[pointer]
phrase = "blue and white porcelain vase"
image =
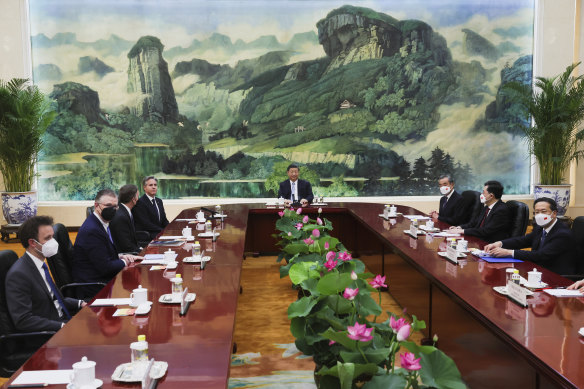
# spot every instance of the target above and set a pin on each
(19, 206)
(559, 193)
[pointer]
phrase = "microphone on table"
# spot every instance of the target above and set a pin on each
(209, 210)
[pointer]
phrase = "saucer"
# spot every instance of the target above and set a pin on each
(581, 332)
(207, 234)
(540, 284)
(134, 306)
(97, 383)
(170, 299)
(205, 258)
(458, 254)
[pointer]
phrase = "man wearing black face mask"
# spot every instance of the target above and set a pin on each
(95, 258)
(33, 300)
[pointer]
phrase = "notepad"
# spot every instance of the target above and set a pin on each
(564, 293)
(52, 377)
(111, 302)
(500, 260)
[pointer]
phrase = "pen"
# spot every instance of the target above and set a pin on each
(28, 385)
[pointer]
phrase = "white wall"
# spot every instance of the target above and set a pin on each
(557, 44)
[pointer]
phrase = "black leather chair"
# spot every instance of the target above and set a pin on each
(472, 205)
(89, 211)
(16, 347)
(62, 263)
(519, 217)
(578, 232)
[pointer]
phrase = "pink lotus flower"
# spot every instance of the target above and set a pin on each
(289, 233)
(319, 221)
(320, 210)
(403, 333)
(397, 324)
(409, 362)
(326, 245)
(316, 233)
(299, 226)
(360, 332)
(331, 342)
(308, 241)
(292, 208)
(354, 276)
(305, 219)
(330, 264)
(345, 256)
(299, 211)
(350, 294)
(281, 213)
(330, 255)
(378, 282)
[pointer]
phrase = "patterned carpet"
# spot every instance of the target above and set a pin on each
(266, 356)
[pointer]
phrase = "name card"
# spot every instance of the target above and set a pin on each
(517, 293)
(452, 254)
(413, 230)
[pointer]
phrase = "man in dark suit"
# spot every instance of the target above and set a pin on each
(295, 190)
(122, 225)
(95, 258)
(149, 212)
(34, 301)
(451, 203)
(551, 241)
(494, 222)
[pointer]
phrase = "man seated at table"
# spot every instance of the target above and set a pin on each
(451, 203)
(551, 241)
(95, 258)
(122, 225)
(34, 302)
(149, 214)
(493, 223)
(295, 190)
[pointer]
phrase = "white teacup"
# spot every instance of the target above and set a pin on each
(83, 373)
(462, 245)
(533, 277)
(392, 210)
(200, 216)
(169, 255)
(138, 296)
(187, 232)
(430, 224)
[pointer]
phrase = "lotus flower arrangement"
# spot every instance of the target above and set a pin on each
(338, 322)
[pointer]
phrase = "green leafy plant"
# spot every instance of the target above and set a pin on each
(24, 117)
(556, 106)
(338, 322)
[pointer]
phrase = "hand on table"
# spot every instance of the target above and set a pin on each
(304, 202)
(434, 215)
(500, 252)
(578, 285)
(456, 230)
(492, 246)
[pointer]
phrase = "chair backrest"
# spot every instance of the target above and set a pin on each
(7, 259)
(472, 204)
(578, 232)
(519, 217)
(61, 263)
(89, 211)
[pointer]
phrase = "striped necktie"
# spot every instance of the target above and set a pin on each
(55, 291)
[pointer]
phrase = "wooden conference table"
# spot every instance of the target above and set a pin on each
(494, 342)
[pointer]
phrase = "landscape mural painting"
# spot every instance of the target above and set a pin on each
(216, 98)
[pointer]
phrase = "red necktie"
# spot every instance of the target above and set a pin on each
(485, 217)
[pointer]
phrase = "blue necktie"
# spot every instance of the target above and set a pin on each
(109, 233)
(543, 235)
(56, 291)
(293, 189)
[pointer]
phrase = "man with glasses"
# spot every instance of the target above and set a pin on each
(149, 214)
(551, 241)
(95, 258)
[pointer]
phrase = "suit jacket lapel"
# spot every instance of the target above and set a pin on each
(537, 238)
(128, 214)
(36, 275)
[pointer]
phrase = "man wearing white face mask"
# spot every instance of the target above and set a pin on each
(451, 203)
(552, 244)
(34, 302)
(494, 222)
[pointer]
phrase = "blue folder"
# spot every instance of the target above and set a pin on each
(500, 260)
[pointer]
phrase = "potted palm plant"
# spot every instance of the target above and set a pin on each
(556, 109)
(24, 117)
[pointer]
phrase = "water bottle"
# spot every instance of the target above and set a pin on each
(139, 349)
